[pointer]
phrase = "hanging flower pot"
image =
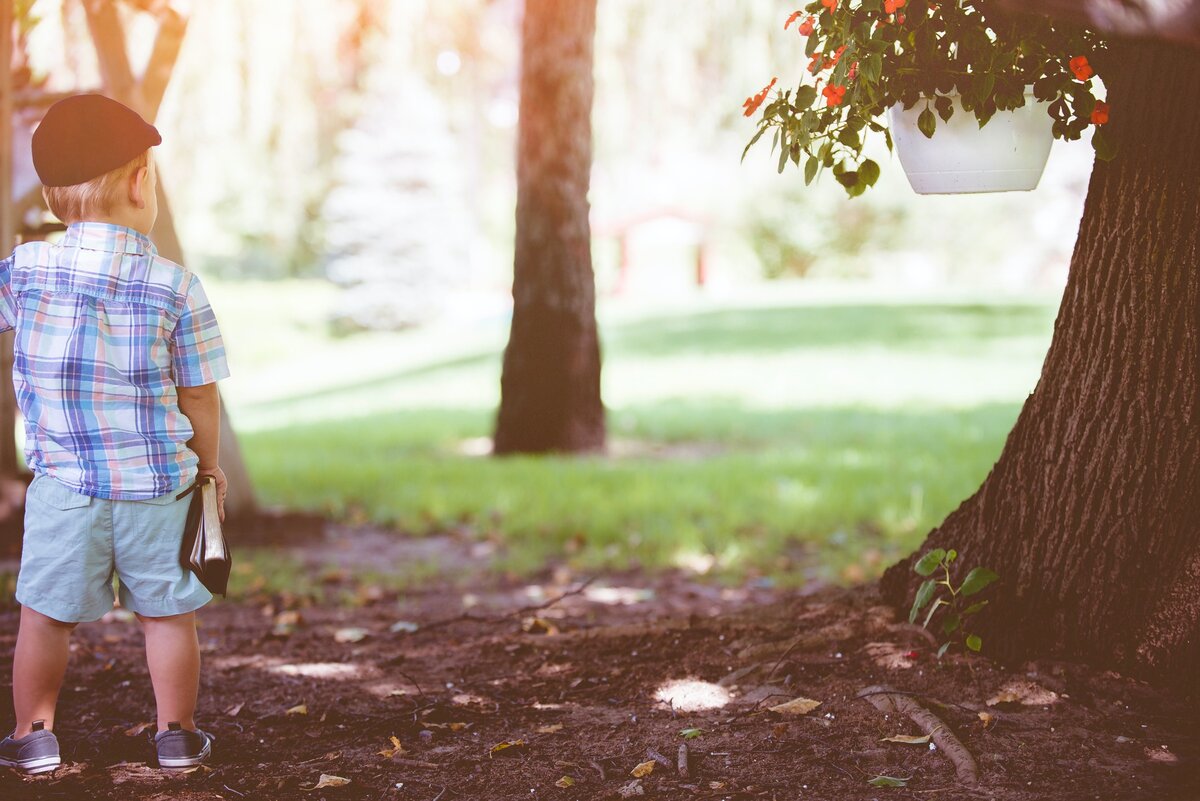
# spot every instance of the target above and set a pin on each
(1006, 155)
(1024, 83)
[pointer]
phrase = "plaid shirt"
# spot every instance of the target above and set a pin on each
(106, 329)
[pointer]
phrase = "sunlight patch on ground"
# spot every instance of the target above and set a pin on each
(322, 670)
(692, 695)
(618, 596)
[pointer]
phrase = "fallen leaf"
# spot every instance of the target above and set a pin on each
(504, 746)
(634, 788)
(235, 710)
(889, 781)
(403, 627)
(328, 780)
(988, 718)
(134, 731)
(395, 750)
(564, 782)
(1025, 693)
(551, 729)
(299, 709)
(537, 625)
(643, 770)
(797, 706)
(716, 785)
(351, 635)
(907, 739)
(690, 733)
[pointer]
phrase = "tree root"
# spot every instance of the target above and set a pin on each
(887, 700)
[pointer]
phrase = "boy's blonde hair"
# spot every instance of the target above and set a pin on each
(94, 198)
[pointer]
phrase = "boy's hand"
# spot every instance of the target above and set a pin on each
(222, 486)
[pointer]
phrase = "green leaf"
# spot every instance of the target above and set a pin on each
(977, 580)
(975, 642)
(933, 608)
(805, 96)
(973, 608)
(929, 562)
(762, 130)
(951, 555)
(927, 123)
(944, 106)
(693, 733)
(871, 68)
(951, 623)
(942, 651)
(1106, 148)
(810, 170)
(889, 781)
(869, 172)
(924, 595)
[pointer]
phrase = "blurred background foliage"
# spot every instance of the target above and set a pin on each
(342, 176)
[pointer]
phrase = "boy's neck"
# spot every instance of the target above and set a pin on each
(124, 221)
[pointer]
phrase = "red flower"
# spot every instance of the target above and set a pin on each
(900, 19)
(752, 103)
(836, 56)
(806, 28)
(814, 65)
(891, 6)
(834, 95)
(853, 73)
(830, 4)
(795, 16)
(1100, 113)
(1082, 69)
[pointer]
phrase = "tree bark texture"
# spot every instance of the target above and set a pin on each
(550, 388)
(1091, 516)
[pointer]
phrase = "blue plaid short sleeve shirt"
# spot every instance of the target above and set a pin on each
(106, 329)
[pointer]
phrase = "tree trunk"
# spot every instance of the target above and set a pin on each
(1091, 516)
(550, 389)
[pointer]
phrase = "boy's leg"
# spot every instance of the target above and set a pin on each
(173, 656)
(39, 664)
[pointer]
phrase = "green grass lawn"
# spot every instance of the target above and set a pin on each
(780, 435)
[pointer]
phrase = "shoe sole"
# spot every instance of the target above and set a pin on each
(33, 766)
(170, 763)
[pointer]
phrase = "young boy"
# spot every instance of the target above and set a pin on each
(117, 355)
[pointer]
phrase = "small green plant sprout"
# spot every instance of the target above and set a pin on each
(690, 733)
(957, 610)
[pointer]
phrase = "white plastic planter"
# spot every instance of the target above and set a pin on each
(1006, 155)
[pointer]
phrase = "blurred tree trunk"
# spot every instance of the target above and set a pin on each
(1091, 516)
(550, 389)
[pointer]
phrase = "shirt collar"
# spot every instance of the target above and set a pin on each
(108, 238)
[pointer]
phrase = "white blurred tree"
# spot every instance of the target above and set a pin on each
(397, 223)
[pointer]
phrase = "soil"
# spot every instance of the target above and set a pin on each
(587, 688)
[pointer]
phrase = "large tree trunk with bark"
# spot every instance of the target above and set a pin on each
(1091, 516)
(550, 389)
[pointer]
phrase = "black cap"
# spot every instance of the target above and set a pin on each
(84, 136)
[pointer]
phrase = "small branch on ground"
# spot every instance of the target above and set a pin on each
(887, 700)
(659, 758)
(467, 617)
(682, 762)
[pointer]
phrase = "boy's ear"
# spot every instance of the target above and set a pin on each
(138, 185)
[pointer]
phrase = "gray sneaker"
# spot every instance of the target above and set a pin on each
(180, 748)
(36, 752)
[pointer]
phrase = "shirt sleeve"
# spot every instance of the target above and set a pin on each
(8, 302)
(197, 350)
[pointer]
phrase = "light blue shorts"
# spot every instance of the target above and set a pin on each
(75, 543)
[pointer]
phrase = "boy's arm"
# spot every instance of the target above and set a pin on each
(202, 407)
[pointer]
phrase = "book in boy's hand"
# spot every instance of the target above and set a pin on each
(205, 551)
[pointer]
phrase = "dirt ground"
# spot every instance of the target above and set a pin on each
(503, 691)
